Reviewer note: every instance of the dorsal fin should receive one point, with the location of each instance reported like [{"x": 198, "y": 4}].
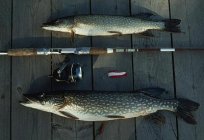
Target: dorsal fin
[
  {"x": 153, "y": 92},
  {"x": 144, "y": 15}
]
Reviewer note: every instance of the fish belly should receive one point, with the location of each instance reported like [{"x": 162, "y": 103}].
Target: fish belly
[
  {"x": 96, "y": 117},
  {"x": 94, "y": 113},
  {"x": 85, "y": 116},
  {"x": 87, "y": 30}
]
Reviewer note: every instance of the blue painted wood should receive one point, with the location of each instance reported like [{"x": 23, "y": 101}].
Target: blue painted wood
[
  {"x": 189, "y": 66},
  {"x": 150, "y": 69},
  {"x": 124, "y": 129},
  {"x": 29, "y": 74},
  {"x": 5, "y": 43},
  {"x": 154, "y": 70},
  {"x": 65, "y": 128}
]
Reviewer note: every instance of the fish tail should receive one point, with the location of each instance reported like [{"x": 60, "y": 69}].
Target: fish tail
[
  {"x": 185, "y": 108},
  {"x": 171, "y": 25}
]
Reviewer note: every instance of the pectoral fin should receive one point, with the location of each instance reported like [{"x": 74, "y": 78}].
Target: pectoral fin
[
  {"x": 153, "y": 92},
  {"x": 72, "y": 36},
  {"x": 115, "y": 32},
  {"x": 62, "y": 105},
  {"x": 68, "y": 115},
  {"x": 115, "y": 116}
]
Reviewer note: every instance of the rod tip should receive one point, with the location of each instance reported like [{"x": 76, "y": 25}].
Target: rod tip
[{"x": 3, "y": 53}]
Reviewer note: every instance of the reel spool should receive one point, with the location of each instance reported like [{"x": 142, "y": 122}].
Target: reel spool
[{"x": 68, "y": 73}]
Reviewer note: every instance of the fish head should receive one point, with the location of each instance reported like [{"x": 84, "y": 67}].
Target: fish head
[
  {"x": 43, "y": 102},
  {"x": 60, "y": 25}
]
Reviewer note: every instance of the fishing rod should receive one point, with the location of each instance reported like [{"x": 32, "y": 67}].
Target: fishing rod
[{"x": 88, "y": 51}]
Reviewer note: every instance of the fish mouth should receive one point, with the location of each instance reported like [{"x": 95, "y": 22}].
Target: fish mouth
[
  {"x": 28, "y": 99},
  {"x": 48, "y": 24},
  {"x": 25, "y": 102}
]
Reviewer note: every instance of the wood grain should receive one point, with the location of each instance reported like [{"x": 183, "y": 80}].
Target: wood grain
[
  {"x": 29, "y": 74},
  {"x": 5, "y": 62},
  {"x": 70, "y": 129},
  {"x": 154, "y": 70},
  {"x": 189, "y": 66},
  {"x": 123, "y": 129},
  {"x": 20, "y": 28}
]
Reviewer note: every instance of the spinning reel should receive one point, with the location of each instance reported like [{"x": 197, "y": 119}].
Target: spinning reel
[{"x": 70, "y": 73}]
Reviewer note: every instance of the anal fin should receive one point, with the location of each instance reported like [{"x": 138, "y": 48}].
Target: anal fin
[{"x": 145, "y": 34}]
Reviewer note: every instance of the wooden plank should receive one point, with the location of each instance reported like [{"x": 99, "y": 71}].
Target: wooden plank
[
  {"x": 29, "y": 74},
  {"x": 69, "y": 128},
  {"x": 102, "y": 64},
  {"x": 5, "y": 62},
  {"x": 154, "y": 70},
  {"x": 189, "y": 66}
]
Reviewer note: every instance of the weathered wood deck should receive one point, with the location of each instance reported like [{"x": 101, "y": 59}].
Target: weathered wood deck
[{"x": 180, "y": 73}]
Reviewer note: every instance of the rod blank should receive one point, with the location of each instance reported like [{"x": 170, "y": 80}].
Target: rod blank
[
  {"x": 3, "y": 53},
  {"x": 89, "y": 51}
]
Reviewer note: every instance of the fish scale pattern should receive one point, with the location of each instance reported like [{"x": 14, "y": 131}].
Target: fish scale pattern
[{"x": 117, "y": 104}]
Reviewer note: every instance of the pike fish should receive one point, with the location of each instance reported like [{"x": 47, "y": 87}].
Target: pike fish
[
  {"x": 110, "y": 106},
  {"x": 105, "y": 25}
]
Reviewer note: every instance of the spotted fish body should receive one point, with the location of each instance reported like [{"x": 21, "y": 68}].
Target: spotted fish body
[
  {"x": 103, "y": 106},
  {"x": 107, "y": 106},
  {"x": 103, "y": 25},
  {"x": 111, "y": 25}
]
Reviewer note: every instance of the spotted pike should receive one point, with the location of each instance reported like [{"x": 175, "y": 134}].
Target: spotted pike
[
  {"x": 104, "y": 25},
  {"x": 110, "y": 106}
]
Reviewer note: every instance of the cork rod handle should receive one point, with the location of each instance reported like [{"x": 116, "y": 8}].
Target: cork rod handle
[
  {"x": 22, "y": 52},
  {"x": 98, "y": 51}
]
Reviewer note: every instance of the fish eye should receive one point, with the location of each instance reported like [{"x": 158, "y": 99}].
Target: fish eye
[
  {"x": 42, "y": 95},
  {"x": 58, "y": 21},
  {"x": 42, "y": 103}
]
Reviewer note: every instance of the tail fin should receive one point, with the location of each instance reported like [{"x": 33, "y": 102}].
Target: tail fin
[
  {"x": 171, "y": 25},
  {"x": 184, "y": 109}
]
